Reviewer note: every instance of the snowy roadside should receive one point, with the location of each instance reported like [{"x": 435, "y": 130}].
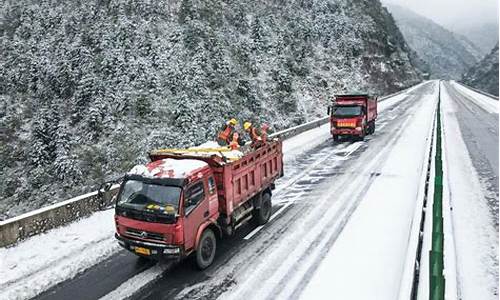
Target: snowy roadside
[
  {"x": 476, "y": 239},
  {"x": 371, "y": 251},
  {"x": 487, "y": 103},
  {"x": 42, "y": 261}
]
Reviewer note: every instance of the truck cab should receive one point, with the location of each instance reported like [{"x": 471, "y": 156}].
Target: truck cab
[
  {"x": 352, "y": 115},
  {"x": 161, "y": 208}
]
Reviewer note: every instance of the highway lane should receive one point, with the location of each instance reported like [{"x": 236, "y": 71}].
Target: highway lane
[
  {"x": 347, "y": 179},
  {"x": 334, "y": 162},
  {"x": 479, "y": 129},
  {"x": 470, "y": 192}
]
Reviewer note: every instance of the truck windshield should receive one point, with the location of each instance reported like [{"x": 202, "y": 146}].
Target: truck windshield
[
  {"x": 145, "y": 196},
  {"x": 347, "y": 111}
]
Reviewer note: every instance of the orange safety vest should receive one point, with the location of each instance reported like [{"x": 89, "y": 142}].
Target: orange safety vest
[
  {"x": 254, "y": 135},
  {"x": 225, "y": 133},
  {"x": 264, "y": 129}
]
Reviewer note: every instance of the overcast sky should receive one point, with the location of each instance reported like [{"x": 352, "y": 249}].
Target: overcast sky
[{"x": 453, "y": 12}]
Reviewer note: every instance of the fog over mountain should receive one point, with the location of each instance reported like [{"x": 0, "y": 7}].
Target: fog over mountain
[
  {"x": 484, "y": 36},
  {"x": 447, "y": 54}
]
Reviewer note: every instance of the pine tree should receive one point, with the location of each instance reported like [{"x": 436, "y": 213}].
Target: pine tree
[{"x": 65, "y": 162}]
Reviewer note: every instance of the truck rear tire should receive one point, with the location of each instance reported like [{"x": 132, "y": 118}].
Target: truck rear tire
[
  {"x": 205, "y": 252},
  {"x": 262, "y": 214}
]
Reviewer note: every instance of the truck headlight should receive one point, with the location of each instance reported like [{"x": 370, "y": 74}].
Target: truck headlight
[
  {"x": 171, "y": 251},
  {"x": 358, "y": 128}
]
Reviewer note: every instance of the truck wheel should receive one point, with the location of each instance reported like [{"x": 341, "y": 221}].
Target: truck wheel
[
  {"x": 205, "y": 252},
  {"x": 262, "y": 215},
  {"x": 336, "y": 138},
  {"x": 373, "y": 128}
]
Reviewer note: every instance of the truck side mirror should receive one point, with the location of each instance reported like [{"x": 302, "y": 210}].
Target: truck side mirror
[{"x": 329, "y": 109}]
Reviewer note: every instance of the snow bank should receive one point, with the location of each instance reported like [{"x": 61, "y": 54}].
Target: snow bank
[
  {"x": 487, "y": 103},
  {"x": 42, "y": 261}
]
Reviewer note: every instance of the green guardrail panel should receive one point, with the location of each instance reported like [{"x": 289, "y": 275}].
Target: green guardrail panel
[{"x": 436, "y": 258}]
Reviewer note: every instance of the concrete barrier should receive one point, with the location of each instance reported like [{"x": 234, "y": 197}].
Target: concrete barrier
[
  {"x": 291, "y": 132},
  {"x": 41, "y": 220},
  {"x": 38, "y": 221}
]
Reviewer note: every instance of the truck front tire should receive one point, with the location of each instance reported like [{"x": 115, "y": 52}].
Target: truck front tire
[
  {"x": 262, "y": 214},
  {"x": 205, "y": 252}
]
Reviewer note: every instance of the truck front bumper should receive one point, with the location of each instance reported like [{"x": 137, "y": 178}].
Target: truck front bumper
[
  {"x": 346, "y": 131},
  {"x": 155, "y": 251}
]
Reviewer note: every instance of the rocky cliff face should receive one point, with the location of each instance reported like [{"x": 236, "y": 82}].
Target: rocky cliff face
[
  {"x": 448, "y": 55},
  {"x": 88, "y": 87},
  {"x": 484, "y": 75}
]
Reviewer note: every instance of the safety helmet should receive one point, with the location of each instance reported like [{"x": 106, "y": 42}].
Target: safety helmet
[
  {"x": 233, "y": 122},
  {"x": 247, "y": 125}
]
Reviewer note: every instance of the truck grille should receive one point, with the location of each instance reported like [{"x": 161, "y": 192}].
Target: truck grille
[{"x": 144, "y": 234}]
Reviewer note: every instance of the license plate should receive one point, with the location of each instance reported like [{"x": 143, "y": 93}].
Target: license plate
[
  {"x": 346, "y": 124},
  {"x": 144, "y": 251}
]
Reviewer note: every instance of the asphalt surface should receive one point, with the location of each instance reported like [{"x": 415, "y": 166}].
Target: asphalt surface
[
  {"x": 330, "y": 166},
  {"x": 479, "y": 130}
]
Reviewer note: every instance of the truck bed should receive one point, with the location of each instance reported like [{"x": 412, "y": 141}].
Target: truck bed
[{"x": 239, "y": 180}]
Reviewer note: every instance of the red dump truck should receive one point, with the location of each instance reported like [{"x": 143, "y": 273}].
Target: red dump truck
[
  {"x": 181, "y": 203},
  {"x": 352, "y": 116}
]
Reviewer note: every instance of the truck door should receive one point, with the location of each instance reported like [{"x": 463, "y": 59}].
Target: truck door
[{"x": 196, "y": 211}]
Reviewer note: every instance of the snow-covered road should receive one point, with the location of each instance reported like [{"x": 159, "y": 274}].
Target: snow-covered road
[
  {"x": 342, "y": 226},
  {"x": 470, "y": 144}
]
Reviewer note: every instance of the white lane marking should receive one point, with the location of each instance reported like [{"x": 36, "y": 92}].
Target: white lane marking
[
  {"x": 139, "y": 281},
  {"x": 259, "y": 228}
]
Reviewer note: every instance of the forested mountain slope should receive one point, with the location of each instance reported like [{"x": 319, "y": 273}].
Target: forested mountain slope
[
  {"x": 484, "y": 75},
  {"x": 88, "y": 87},
  {"x": 483, "y": 35},
  {"x": 447, "y": 54}
]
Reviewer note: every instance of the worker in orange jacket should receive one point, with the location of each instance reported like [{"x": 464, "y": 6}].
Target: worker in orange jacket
[
  {"x": 227, "y": 132},
  {"x": 263, "y": 135},
  {"x": 255, "y": 135}
]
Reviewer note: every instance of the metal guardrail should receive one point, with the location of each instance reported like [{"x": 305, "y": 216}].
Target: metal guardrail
[
  {"x": 41, "y": 220},
  {"x": 478, "y": 91},
  {"x": 436, "y": 256}
]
